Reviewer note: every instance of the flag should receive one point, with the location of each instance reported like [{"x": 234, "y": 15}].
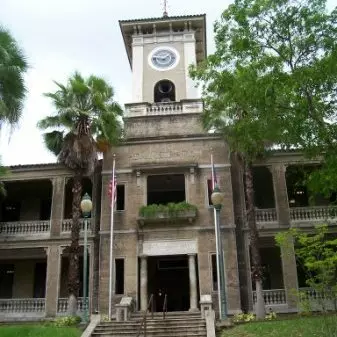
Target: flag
[{"x": 112, "y": 189}]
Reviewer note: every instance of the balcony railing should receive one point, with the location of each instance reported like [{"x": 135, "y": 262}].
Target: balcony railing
[
  {"x": 22, "y": 305},
  {"x": 67, "y": 223},
  {"x": 146, "y": 109},
  {"x": 273, "y": 296},
  {"x": 24, "y": 227},
  {"x": 266, "y": 215},
  {"x": 313, "y": 213},
  {"x": 62, "y": 305}
]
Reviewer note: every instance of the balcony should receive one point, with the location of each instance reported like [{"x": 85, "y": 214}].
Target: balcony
[
  {"x": 67, "y": 223},
  {"x": 170, "y": 213},
  {"x": 22, "y": 307},
  {"x": 62, "y": 305},
  {"x": 24, "y": 228},
  {"x": 147, "y": 109},
  {"x": 266, "y": 215},
  {"x": 272, "y": 297},
  {"x": 317, "y": 213}
]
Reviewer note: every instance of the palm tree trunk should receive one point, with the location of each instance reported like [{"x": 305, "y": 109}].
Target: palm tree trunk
[
  {"x": 74, "y": 251},
  {"x": 254, "y": 241}
]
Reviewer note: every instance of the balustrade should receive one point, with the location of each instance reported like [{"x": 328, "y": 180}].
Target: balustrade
[
  {"x": 313, "y": 213},
  {"x": 67, "y": 223},
  {"x": 272, "y": 297},
  {"x": 22, "y": 305},
  {"x": 265, "y": 215},
  {"x": 62, "y": 305},
  {"x": 164, "y": 108},
  {"x": 24, "y": 227}
]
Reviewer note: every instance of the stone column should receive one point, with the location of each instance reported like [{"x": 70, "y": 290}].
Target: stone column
[
  {"x": 289, "y": 269},
  {"x": 56, "y": 214},
  {"x": 52, "y": 279},
  {"x": 280, "y": 192},
  {"x": 193, "y": 282},
  {"x": 143, "y": 283}
]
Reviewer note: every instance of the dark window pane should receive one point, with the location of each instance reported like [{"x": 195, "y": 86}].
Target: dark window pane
[{"x": 119, "y": 287}]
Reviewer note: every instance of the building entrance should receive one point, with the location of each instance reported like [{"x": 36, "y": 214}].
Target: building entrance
[{"x": 169, "y": 275}]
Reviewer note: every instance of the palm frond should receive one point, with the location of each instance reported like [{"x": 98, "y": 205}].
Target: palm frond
[
  {"x": 12, "y": 89},
  {"x": 54, "y": 141}
]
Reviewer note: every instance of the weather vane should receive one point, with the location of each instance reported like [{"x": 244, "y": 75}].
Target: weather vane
[{"x": 165, "y": 8}]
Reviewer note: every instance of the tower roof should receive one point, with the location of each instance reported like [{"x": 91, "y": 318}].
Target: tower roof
[{"x": 197, "y": 22}]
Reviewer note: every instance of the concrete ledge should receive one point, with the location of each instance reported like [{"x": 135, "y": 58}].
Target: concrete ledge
[{"x": 94, "y": 320}]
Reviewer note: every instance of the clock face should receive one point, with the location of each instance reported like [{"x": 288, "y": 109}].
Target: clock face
[{"x": 163, "y": 58}]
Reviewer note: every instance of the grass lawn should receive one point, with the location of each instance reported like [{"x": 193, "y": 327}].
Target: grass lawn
[
  {"x": 37, "y": 331},
  {"x": 318, "y": 326}
]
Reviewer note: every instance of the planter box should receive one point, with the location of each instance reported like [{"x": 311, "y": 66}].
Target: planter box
[{"x": 165, "y": 217}]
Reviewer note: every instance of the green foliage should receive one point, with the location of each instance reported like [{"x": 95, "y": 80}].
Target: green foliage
[
  {"x": 105, "y": 318},
  {"x": 13, "y": 65},
  {"x": 171, "y": 210},
  {"x": 271, "y": 316},
  {"x": 273, "y": 77},
  {"x": 320, "y": 326},
  {"x": 318, "y": 254},
  {"x": 239, "y": 318},
  {"x": 85, "y": 114},
  {"x": 67, "y": 321}
]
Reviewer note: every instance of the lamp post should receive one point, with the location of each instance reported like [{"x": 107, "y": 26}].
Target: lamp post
[
  {"x": 86, "y": 207},
  {"x": 217, "y": 200}
]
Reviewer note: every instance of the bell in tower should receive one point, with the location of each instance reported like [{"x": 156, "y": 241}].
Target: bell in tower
[{"x": 164, "y": 92}]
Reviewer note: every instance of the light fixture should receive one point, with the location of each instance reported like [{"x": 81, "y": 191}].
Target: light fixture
[
  {"x": 86, "y": 205},
  {"x": 217, "y": 197}
]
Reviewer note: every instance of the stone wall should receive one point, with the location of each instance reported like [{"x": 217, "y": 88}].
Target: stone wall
[{"x": 163, "y": 126}]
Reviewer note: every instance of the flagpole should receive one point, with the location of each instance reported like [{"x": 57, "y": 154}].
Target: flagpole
[
  {"x": 217, "y": 242},
  {"x": 111, "y": 235}
]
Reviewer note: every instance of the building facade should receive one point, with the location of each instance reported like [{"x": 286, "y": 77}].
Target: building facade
[{"x": 164, "y": 158}]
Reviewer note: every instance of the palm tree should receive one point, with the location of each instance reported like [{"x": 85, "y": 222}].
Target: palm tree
[
  {"x": 86, "y": 118},
  {"x": 13, "y": 65}
]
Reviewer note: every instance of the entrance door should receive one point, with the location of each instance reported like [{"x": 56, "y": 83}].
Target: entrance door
[{"x": 169, "y": 275}]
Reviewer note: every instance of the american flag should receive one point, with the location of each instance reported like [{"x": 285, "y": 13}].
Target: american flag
[{"x": 112, "y": 189}]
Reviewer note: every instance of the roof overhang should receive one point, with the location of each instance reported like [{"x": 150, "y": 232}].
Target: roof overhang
[{"x": 198, "y": 24}]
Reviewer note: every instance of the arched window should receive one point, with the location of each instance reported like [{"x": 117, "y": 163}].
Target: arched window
[{"x": 164, "y": 91}]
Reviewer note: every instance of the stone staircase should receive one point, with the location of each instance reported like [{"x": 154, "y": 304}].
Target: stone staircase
[{"x": 175, "y": 324}]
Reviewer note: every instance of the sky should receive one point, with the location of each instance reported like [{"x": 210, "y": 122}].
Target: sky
[{"x": 61, "y": 36}]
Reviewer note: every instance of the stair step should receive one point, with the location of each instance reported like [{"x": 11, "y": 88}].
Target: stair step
[
  {"x": 119, "y": 334},
  {"x": 176, "y": 324},
  {"x": 152, "y": 328},
  {"x": 154, "y": 321}
]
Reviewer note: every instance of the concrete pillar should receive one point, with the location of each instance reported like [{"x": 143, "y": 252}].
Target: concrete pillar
[
  {"x": 289, "y": 272},
  {"x": 193, "y": 282},
  {"x": 280, "y": 192},
  {"x": 52, "y": 279},
  {"x": 56, "y": 215},
  {"x": 143, "y": 283}
]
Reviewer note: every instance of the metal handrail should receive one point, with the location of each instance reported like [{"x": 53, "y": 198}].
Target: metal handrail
[
  {"x": 165, "y": 306},
  {"x": 143, "y": 323}
]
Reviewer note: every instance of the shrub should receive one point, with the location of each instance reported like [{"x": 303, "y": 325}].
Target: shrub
[
  {"x": 239, "y": 318},
  {"x": 171, "y": 209},
  {"x": 67, "y": 321}
]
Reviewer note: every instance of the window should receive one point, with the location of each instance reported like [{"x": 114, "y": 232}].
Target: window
[
  {"x": 120, "y": 203},
  {"x": 214, "y": 273},
  {"x": 119, "y": 281},
  {"x": 209, "y": 191},
  {"x": 165, "y": 188}
]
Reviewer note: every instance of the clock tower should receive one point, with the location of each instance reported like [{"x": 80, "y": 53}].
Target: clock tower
[{"x": 160, "y": 51}]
